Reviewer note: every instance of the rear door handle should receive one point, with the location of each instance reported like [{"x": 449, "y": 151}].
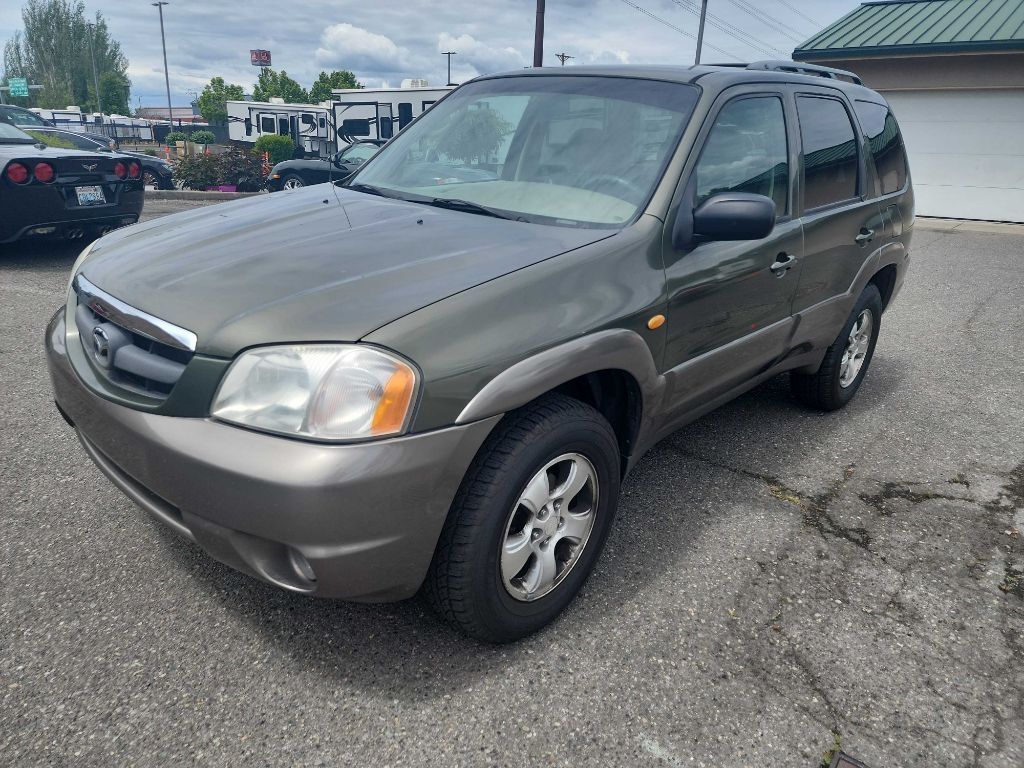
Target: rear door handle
[
  {"x": 866, "y": 236},
  {"x": 783, "y": 263}
]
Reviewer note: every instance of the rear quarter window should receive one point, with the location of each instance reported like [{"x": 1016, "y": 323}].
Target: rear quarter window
[{"x": 886, "y": 146}]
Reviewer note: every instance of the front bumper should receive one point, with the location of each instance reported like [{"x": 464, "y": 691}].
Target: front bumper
[{"x": 364, "y": 517}]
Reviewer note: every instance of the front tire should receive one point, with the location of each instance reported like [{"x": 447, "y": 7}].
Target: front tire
[
  {"x": 292, "y": 181},
  {"x": 529, "y": 521},
  {"x": 846, "y": 361}
]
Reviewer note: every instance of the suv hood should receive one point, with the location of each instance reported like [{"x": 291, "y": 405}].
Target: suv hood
[{"x": 322, "y": 263}]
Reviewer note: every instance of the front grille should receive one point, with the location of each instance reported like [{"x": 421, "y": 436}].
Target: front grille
[{"x": 120, "y": 341}]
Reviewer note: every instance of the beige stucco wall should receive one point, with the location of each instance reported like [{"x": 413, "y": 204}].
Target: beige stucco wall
[{"x": 899, "y": 73}]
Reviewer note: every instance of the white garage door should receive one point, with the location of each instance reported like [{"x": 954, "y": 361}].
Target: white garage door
[{"x": 966, "y": 151}]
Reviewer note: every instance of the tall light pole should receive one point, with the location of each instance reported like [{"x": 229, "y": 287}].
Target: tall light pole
[
  {"x": 700, "y": 30},
  {"x": 538, "y": 36},
  {"x": 167, "y": 78},
  {"x": 95, "y": 77},
  {"x": 449, "y": 54}
]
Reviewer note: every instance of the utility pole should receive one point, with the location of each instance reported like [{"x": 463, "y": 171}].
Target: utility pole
[
  {"x": 449, "y": 54},
  {"x": 700, "y": 31},
  {"x": 95, "y": 77},
  {"x": 563, "y": 57},
  {"x": 538, "y": 36},
  {"x": 167, "y": 78}
]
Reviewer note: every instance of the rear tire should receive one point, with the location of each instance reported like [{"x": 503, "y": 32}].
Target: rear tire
[
  {"x": 846, "y": 362},
  {"x": 505, "y": 566}
]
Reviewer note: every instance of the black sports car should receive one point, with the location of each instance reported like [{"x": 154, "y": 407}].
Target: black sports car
[
  {"x": 51, "y": 191},
  {"x": 292, "y": 174},
  {"x": 155, "y": 172}
]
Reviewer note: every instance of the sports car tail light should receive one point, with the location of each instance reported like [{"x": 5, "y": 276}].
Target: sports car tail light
[
  {"x": 17, "y": 172},
  {"x": 120, "y": 171},
  {"x": 44, "y": 172},
  {"x": 134, "y": 169}
]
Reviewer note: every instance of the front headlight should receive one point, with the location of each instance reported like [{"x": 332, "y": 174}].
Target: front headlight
[{"x": 318, "y": 391}]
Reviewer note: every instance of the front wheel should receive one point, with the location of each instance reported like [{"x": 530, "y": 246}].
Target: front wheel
[
  {"x": 528, "y": 522},
  {"x": 846, "y": 362},
  {"x": 292, "y": 181}
]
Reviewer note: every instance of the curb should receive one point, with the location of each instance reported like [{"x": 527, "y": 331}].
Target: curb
[{"x": 194, "y": 195}]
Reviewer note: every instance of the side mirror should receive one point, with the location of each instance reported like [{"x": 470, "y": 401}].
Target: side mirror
[
  {"x": 734, "y": 216},
  {"x": 337, "y": 161}
]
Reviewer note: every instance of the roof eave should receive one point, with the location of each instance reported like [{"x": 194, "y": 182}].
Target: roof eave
[{"x": 881, "y": 51}]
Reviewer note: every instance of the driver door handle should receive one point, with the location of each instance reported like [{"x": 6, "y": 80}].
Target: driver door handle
[
  {"x": 783, "y": 263},
  {"x": 865, "y": 236}
]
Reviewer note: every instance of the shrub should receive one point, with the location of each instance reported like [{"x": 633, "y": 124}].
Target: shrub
[
  {"x": 280, "y": 148},
  {"x": 51, "y": 140},
  {"x": 174, "y": 137},
  {"x": 236, "y": 166},
  {"x": 203, "y": 137}
]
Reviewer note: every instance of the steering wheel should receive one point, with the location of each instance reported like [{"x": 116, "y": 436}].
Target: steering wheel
[{"x": 633, "y": 192}]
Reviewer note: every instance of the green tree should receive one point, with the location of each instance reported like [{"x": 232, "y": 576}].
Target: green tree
[
  {"x": 214, "y": 98},
  {"x": 53, "y": 50},
  {"x": 326, "y": 83},
  {"x": 277, "y": 84},
  {"x": 474, "y": 135},
  {"x": 280, "y": 148}
]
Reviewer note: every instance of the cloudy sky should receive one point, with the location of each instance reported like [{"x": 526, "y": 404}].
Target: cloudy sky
[{"x": 383, "y": 42}]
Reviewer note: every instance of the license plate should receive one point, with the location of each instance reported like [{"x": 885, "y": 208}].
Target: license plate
[{"x": 90, "y": 195}]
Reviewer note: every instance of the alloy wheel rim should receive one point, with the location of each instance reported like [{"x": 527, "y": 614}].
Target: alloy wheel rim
[
  {"x": 292, "y": 184},
  {"x": 549, "y": 527},
  {"x": 856, "y": 351}
]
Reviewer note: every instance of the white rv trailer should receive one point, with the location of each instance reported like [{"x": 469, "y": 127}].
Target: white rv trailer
[
  {"x": 118, "y": 127},
  {"x": 321, "y": 129},
  {"x": 379, "y": 113},
  {"x": 308, "y": 125}
]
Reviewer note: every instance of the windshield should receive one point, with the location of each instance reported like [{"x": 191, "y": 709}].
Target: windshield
[
  {"x": 359, "y": 153},
  {"x": 20, "y": 117},
  {"x": 572, "y": 151},
  {"x": 11, "y": 135}
]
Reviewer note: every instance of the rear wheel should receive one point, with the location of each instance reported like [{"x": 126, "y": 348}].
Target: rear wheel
[
  {"x": 846, "y": 362},
  {"x": 292, "y": 181},
  {"x": 529, "y": 521}
]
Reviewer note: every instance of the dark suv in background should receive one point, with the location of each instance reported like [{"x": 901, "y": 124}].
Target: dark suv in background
[{"x": 436, "y": 381}]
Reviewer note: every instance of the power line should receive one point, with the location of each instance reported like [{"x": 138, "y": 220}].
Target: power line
[
  {"x": 765, "y": 19},
  {"x": 678, "y": 29},
  {"x": 817, "y": 24},
  {"x": 731, "y": 29}
]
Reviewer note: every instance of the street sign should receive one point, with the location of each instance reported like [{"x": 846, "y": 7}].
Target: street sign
[
  {"x": 18, "y": 86},
  {"x": 259, "y": 58}
]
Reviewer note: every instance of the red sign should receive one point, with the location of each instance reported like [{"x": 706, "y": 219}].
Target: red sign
[{"x": 259, "y": 58}]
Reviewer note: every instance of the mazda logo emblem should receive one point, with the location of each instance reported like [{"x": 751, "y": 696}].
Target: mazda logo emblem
[
  {"x": 101, "y": 345},
  {"x": 89, "y": 166}
]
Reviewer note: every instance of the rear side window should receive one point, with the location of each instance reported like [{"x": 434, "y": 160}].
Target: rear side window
[
  {"x": 830, "y": 151},
  {"x": 746, "y": 152},
  {"x": 886, "y": 146}
]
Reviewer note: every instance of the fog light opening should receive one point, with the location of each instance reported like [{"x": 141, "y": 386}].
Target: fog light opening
[{"x": 301, "y": 565}]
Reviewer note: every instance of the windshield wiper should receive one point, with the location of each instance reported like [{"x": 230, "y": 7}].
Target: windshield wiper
[
  {"x": 466, "y": 206},
  {"x": 367, "y": 188}
]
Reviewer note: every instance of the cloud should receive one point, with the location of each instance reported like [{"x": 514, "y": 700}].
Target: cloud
[
  {"x": 345, "y": 46},
  {"x": 482, "y": 57}
]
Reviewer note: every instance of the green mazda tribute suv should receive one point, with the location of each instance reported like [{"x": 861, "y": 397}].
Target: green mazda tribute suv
[{"x": 433, "y": 376}]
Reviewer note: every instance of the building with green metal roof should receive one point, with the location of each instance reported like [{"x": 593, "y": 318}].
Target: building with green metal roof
[{"x": 953, "y": 71}]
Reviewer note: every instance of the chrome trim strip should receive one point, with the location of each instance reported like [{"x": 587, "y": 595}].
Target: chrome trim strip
[{"x": 127, "y": 316}]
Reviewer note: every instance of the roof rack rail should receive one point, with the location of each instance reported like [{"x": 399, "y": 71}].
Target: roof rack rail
[{"x": 805, "y": 69}]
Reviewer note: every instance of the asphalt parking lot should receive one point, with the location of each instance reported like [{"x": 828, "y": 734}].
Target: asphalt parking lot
[{"x": 779, "y": 582}]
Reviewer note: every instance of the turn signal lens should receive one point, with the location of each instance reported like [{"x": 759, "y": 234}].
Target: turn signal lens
[
  {"x": 17, "y": 173},
  {"x": 393, "y": 406},
  {"x": 120, "y": 171},
  {"x": 134, "y": 170},
  {"x": 44, "y": 172}
]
